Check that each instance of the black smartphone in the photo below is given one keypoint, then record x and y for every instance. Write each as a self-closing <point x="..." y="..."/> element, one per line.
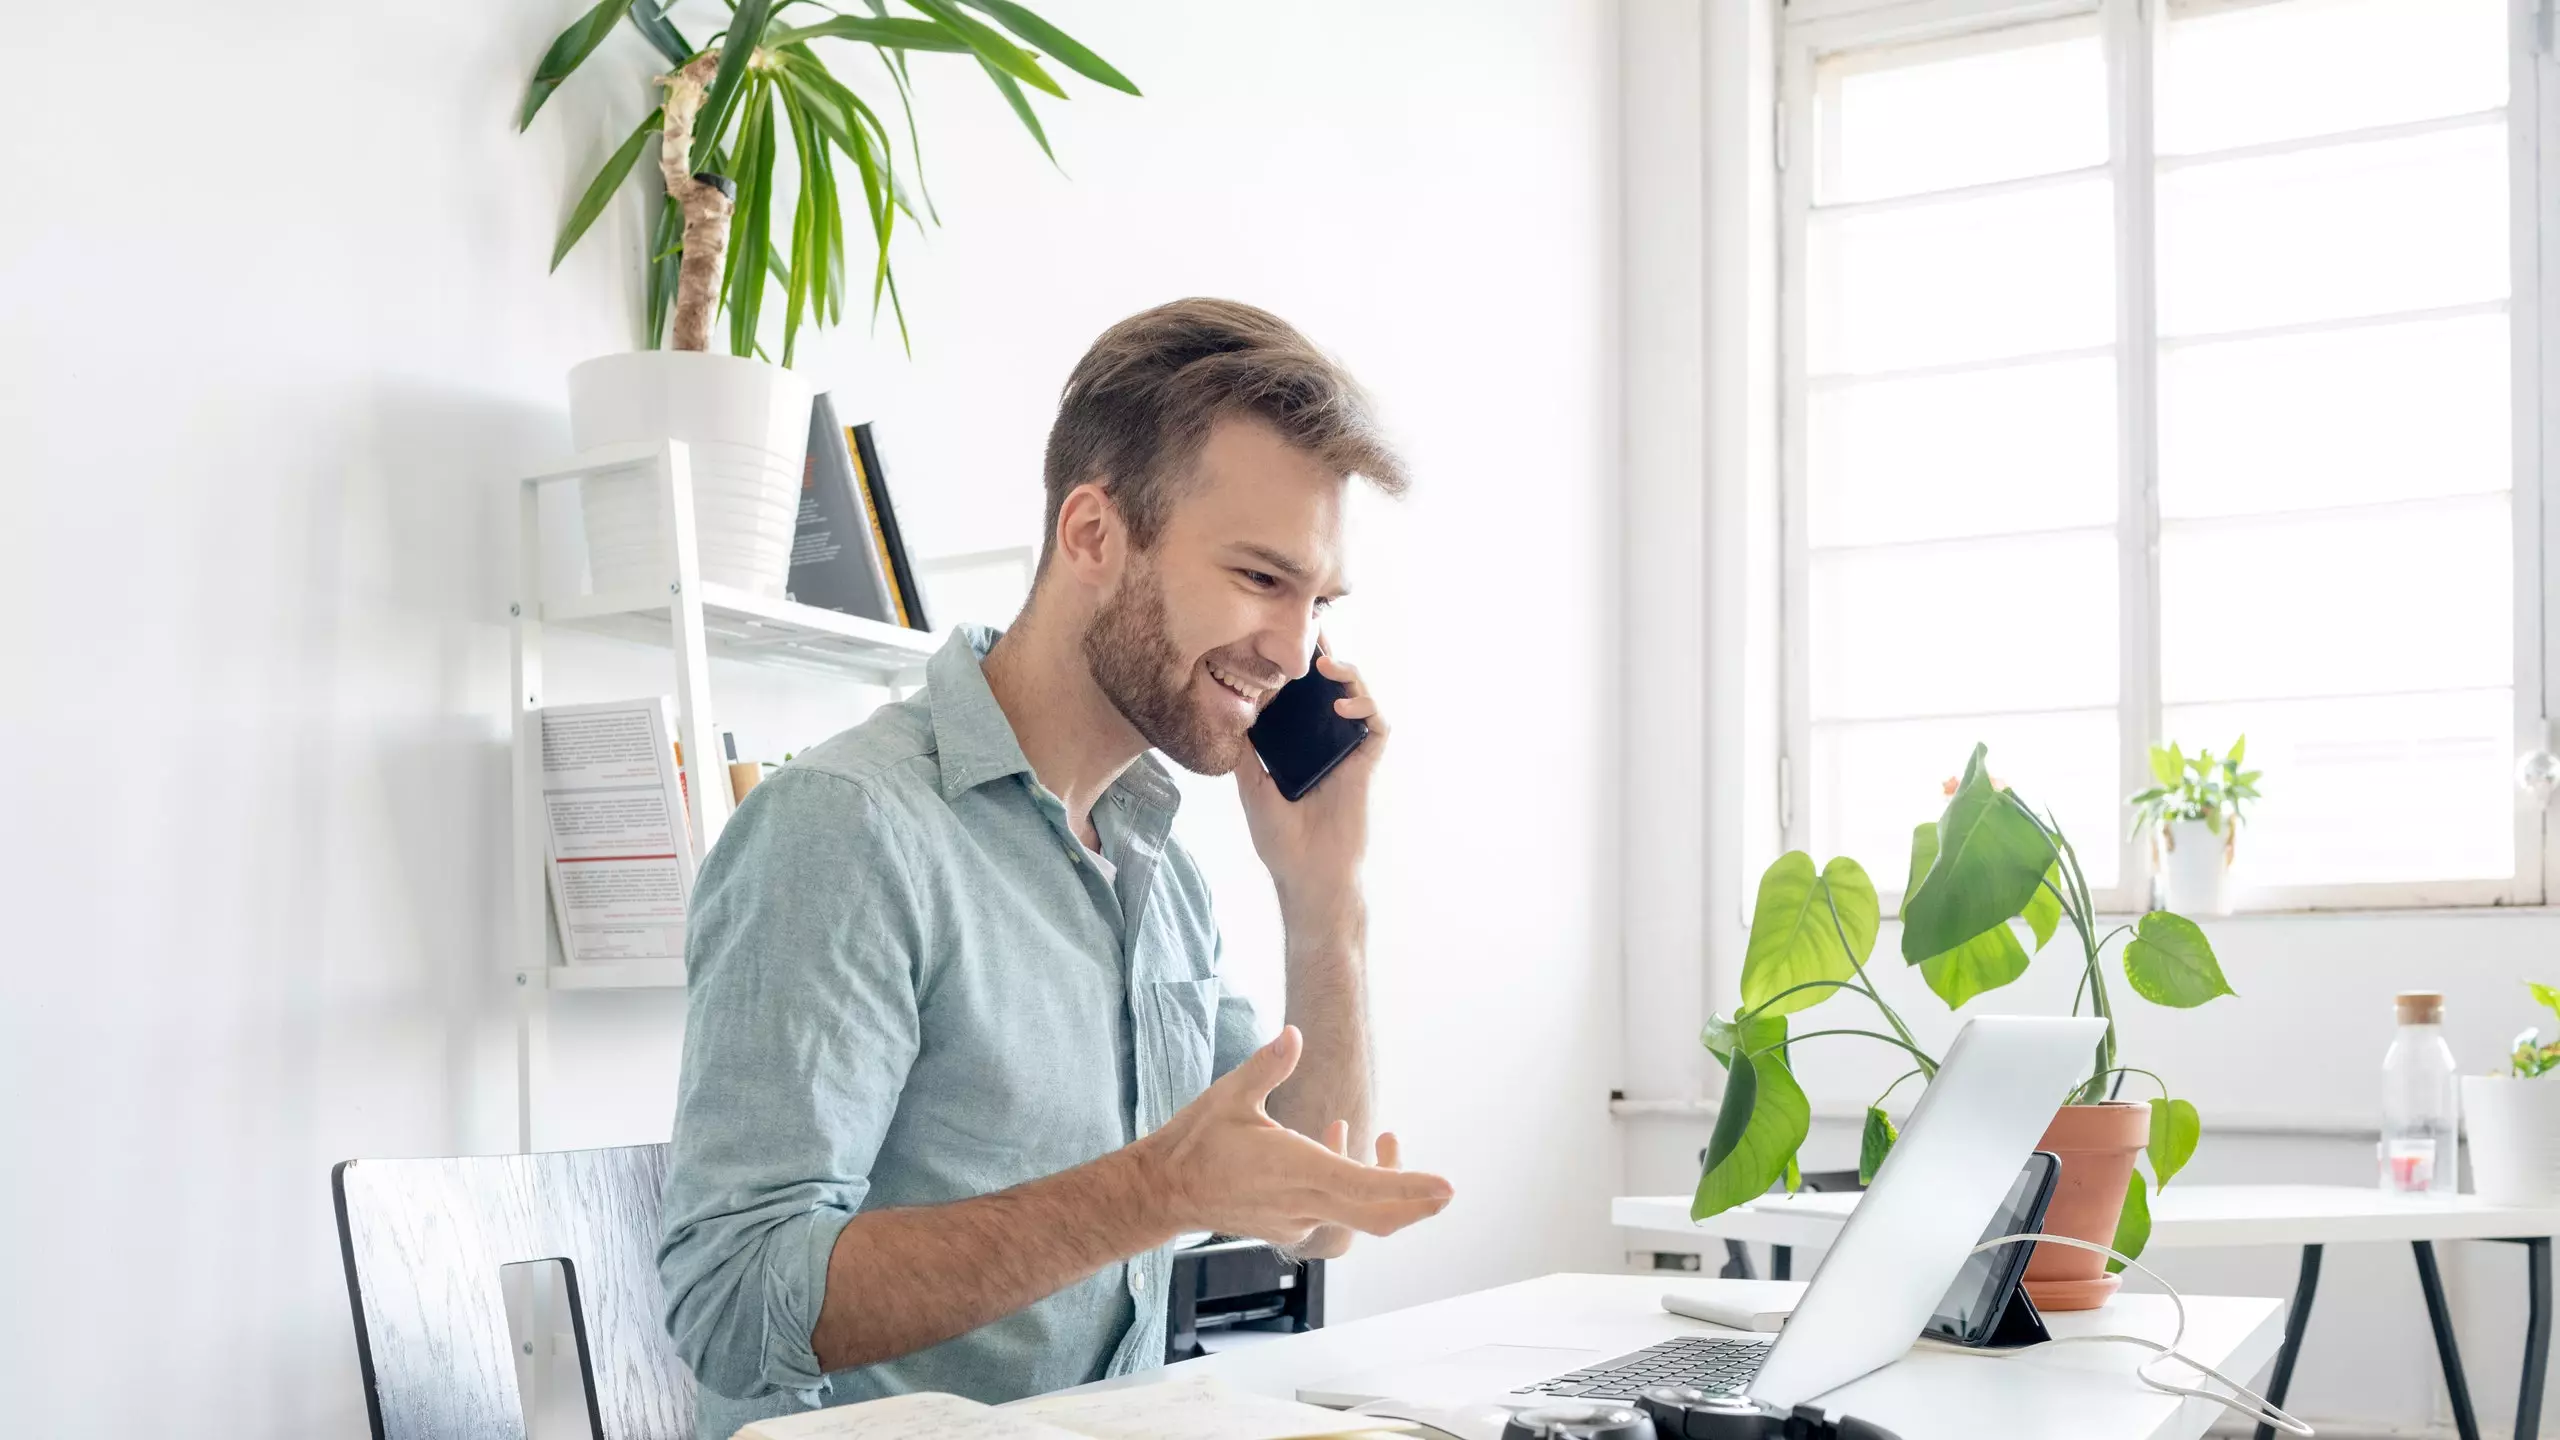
<point x="1299" y="737"/>
<point x="1982" y="1291"/>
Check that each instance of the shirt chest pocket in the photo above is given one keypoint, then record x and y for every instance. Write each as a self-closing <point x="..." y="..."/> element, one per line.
<point x="1185" y="1021"/>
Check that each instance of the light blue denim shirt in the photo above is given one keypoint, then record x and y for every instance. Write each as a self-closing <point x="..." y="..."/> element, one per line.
<point x="909" y="985"/>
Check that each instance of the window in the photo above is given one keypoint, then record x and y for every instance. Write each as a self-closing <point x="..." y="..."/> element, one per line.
<point x="2150" y="375"/>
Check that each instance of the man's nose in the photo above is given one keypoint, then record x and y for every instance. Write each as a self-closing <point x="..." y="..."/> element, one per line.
<point x="1296" y="642"/>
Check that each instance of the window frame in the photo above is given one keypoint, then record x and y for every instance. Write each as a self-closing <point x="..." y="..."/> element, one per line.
<point x="2129" y="32"/>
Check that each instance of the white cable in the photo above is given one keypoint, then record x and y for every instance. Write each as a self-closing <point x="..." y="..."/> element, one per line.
<point x="2243" y="1400"/>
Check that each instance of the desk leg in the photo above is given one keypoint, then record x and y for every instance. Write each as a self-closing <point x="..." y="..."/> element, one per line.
<point x="2456" y="1388"/>
<point x="1782" y="1262"/>
<point x="2537" y="1334"/>
<point x="2296" y="1318"/>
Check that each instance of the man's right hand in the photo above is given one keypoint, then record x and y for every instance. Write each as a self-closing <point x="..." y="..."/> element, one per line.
<point x="1223" y="1164"/>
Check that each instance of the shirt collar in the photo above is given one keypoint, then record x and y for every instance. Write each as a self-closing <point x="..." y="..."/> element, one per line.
<point x="971" y="735"/>
<point x="976" y="742"/>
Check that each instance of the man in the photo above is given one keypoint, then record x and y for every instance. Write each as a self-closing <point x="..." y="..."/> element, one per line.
<point x="955" y="1010"/>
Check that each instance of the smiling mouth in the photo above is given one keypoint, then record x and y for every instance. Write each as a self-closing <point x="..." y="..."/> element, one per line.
<point x="1250" y="692"/>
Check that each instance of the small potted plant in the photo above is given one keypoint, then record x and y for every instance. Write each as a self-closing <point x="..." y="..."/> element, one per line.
<point x="1991" y="883"/>
<point x="755" y="91"/>
<point x="2514" y="1120"/>
<point x="2193" y="817"/>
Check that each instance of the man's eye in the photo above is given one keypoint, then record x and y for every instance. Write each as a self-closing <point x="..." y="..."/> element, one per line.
<point x="1323" y="603"/>
<point x="1259" y="580"/>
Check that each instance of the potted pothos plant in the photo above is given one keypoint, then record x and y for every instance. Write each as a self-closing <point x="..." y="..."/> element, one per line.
<point x="754" y="104"/>
<point x="2514" y="1119"/>
<point x="2193" y="818"/>
<point x="1991" y="883"/>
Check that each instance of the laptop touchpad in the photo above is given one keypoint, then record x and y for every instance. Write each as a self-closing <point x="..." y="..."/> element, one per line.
<point x="1477" y="1374"/>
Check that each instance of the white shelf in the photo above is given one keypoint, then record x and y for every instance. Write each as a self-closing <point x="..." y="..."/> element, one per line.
<point x="743" y="626"/>
<point x="613" y="975"/>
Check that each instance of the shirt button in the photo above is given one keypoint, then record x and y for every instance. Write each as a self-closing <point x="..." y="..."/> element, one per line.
<point x="1137" y="1280"/>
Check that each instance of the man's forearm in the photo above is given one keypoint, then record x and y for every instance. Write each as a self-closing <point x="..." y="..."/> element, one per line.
<point x="1327" y="993"/>
<point x="899" y="1280"/>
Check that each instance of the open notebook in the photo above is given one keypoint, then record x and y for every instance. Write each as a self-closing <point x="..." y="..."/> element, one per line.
<point x="1198" y="1408"/>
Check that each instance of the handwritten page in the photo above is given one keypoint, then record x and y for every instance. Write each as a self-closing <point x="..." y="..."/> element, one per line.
<point x="931" y="1416"/>
<point x="1197" y="1408"/>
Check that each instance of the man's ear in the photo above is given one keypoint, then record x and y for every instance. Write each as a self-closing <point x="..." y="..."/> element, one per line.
<point x="1093" y="539"/>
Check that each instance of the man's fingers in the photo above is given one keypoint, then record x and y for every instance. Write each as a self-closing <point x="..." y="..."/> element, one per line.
<point x="1262" y="1071"/>
<point x="1390" y="1151"/>
<point x="1337" y="1137"/>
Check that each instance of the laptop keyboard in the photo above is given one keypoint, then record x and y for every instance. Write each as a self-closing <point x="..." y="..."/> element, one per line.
<point x="1712" y="1365"/>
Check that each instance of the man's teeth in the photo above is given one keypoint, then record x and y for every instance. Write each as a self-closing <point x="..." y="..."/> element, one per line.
<point x="1249" y="692"/>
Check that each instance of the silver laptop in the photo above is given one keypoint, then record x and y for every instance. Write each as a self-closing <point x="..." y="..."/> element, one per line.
<point x="1877" y="1286"/>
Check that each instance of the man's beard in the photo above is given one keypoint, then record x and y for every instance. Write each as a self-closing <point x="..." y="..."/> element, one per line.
<point x="1133" y="661"/>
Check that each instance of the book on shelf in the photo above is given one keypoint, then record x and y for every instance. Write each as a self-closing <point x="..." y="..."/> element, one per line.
<point x="836" y="558"/>
<point x="908" y="595"/>
<point x="1194" y="1408"/>
<point x="621" y="858"/>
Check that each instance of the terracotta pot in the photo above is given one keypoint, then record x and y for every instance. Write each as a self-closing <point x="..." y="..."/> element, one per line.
<point x="2097" y="1144"/>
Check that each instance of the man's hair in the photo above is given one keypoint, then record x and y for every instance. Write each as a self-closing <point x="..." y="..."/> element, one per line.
<point x="1140" y="404"/>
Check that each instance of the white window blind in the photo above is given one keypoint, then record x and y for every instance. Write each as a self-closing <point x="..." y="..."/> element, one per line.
<point x="2150" y="376"/>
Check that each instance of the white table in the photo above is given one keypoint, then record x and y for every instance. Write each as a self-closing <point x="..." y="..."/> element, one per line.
<point x="2083" y="1392"/>
<point x="2310" y="1216"/>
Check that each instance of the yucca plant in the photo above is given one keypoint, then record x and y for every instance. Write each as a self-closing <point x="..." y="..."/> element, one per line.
<point x="755" y="87"/>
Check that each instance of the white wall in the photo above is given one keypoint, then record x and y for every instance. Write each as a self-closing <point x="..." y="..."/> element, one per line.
<point x="276" y="326"/>
<point x="2287" y="1075"/>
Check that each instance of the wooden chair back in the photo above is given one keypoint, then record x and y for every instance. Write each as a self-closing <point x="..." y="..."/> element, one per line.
<point x="423" y="1242"/>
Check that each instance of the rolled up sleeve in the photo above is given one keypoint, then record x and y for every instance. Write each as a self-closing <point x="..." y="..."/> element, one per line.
<point x="800" y="1028"/>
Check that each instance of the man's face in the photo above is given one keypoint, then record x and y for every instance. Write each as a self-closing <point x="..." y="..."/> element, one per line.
<point x="1202" y="629"/>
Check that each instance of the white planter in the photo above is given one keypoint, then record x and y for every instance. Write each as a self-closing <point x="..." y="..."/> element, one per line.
<point x="746" y="424"/>
<point x="2195" y="863"/>
<point x="2515" y="1138"/>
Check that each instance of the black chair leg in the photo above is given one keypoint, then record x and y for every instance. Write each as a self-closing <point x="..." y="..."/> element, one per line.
<point x="1737" y="1262"/>
<point x="2457" y="1389"/>
<point x="1782" y="1262"/>
<point x="2295" y="1320"/>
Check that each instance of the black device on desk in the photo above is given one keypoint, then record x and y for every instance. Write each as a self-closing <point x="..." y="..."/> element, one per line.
<point x="1298" y="735"/>
<point x="1233" y="1284"/>
<point x="1987" y="1306"/>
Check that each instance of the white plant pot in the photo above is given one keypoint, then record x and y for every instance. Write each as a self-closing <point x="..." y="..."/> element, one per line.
<point x="2515" y="1138"/>
<point x="746" y="426"/>
<point x="2196" y="864"/>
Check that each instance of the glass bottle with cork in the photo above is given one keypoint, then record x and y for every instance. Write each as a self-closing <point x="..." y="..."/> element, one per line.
<point x="2421" y="1109"/>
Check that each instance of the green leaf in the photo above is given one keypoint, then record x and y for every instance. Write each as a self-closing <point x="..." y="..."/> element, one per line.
<point x="1874" y="1142"/>
<point x="617" y="168"/>
<point x="887" y="34"/>
<point x="2169" y="962"/>
<point x="1021" y="104"/>
<point x="1924" y="853"/>
<point x="2239" y="748"/>
<point x="1054" y="42"/>
<point x="992" y="48"/>
<point x="1985" y="962"/>
<point x="2133" y="1227"/>
<point x="1723" y="1038"/>
<point x="1992" y="857"/>
<point x="750" y="227"/>
<point x="2175" y="1129"/>
<point x="1793" y="1178"/>
<point x="660" y="32"/>
<point x="2044" y="912"/>
<point x="2167" y="764"/>
<point x="1758" y="1129"/>
<point x="2544" y="995"/>
<point x="567" y="53"/>
<point x="1794" y="940"/>
<point x="737" y="51"/>
<point x="666" y="256"/>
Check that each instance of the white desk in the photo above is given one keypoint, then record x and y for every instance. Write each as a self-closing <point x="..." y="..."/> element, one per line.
<point x="2083" y="1392"/>
<point x="2310" y="1216"/>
